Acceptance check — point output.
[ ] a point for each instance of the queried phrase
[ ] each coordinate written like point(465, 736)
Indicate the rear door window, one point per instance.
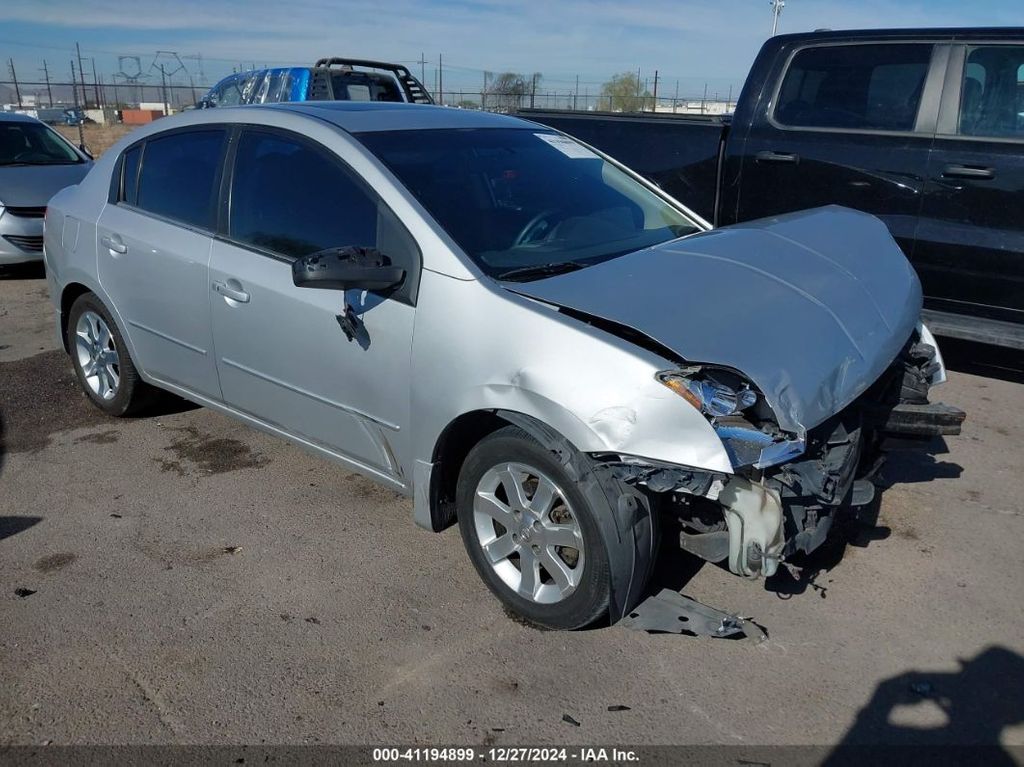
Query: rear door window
point(178, 178)
point(859, 87)
point(992, 95)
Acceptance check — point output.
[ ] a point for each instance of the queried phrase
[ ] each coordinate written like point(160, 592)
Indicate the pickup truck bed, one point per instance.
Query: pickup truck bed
point(923, 128)
point(679, 153)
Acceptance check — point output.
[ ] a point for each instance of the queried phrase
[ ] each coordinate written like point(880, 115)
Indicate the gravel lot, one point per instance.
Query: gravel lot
point(194, 581)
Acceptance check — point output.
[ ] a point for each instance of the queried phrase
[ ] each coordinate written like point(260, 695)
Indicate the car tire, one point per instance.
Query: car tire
point(517, 539)
point(104, 369)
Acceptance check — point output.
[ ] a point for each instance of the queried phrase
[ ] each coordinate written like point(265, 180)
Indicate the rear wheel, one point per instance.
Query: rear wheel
point(102, 364)
point(530, 532)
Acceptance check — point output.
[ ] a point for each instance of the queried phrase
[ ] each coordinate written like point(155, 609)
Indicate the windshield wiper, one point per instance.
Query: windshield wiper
point(525, 273)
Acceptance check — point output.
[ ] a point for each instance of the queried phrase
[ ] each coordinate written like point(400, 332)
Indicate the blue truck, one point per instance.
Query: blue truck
point(330, 79)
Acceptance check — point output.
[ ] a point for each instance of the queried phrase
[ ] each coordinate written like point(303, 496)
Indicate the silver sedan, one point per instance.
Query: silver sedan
point(524, 336)
point(36, 162)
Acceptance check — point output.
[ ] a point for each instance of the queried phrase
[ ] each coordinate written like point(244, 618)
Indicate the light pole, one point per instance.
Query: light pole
point(777, 6)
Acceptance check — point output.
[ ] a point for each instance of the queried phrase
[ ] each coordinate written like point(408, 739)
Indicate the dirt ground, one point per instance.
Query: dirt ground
point(180, 578)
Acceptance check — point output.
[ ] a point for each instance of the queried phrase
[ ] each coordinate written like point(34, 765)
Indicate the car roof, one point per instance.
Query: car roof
point(14, 117)
point(370, 116)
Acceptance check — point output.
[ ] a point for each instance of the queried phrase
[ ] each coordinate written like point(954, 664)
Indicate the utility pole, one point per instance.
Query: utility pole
point(655, 90)
point(704, 100)
point(46, 76)
point(81, 77)
point(576, 93)
point(95, 84)
point(777, 6)
point(163, 89)
point(440, 79)
point(675, 101)
point(14, 76)
point(423, 71)
point(483, 93)
point(638, 82)
point(533, 89)
point(79, 117)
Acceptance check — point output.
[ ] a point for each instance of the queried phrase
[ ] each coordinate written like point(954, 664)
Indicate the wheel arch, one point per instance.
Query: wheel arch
point(75, 289)
point(623, 513)
point(71, 293)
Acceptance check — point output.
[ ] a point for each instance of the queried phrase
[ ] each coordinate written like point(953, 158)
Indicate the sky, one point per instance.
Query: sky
point(687, 41)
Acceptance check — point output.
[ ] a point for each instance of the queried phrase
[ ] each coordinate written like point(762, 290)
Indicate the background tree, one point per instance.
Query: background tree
point(623, 93)
point(509, 91)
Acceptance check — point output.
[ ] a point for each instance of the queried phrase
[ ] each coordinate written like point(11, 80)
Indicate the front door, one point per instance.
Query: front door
point(154, 252)
point(281, 351)
point(971, 241)
point(843, 129)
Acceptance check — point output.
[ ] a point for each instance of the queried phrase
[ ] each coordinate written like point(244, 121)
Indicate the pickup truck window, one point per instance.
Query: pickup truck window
point(859, 87)
point(992, 97)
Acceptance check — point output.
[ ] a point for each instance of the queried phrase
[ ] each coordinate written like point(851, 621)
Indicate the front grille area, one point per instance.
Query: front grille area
point(29, 243)
point(22, 212)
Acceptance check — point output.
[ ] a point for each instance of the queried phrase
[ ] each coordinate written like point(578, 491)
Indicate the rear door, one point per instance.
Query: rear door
point(281, 353)
point(154, 251)
point(849, 124)
point(971, 240)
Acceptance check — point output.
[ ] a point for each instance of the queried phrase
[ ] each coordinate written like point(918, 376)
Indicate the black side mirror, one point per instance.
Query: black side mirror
point(347, 268)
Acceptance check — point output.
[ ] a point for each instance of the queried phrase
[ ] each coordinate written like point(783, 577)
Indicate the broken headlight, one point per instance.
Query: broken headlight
point(722, 396)
point(712, 398)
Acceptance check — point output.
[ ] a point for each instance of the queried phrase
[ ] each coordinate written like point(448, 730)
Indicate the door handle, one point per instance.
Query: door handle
point(770, 156)
point(234, 294)
point(968, 171)
point(114, 243)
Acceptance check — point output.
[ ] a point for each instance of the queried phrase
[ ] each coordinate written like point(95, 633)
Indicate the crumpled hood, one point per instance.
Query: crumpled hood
point(32, 186)
point(811, 306)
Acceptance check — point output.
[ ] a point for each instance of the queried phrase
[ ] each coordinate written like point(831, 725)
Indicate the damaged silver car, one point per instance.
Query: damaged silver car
point(518, 332)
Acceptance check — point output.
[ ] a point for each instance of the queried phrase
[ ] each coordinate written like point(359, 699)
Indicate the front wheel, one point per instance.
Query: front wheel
point(530, 532)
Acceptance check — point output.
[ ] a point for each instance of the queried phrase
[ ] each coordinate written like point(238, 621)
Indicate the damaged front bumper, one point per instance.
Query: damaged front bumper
point(786, 493)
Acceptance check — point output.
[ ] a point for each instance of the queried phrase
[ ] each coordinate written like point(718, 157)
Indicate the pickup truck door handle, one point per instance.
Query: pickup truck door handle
point(770, 156)
point(114, 243)
point(968, 171)
point(235, 294)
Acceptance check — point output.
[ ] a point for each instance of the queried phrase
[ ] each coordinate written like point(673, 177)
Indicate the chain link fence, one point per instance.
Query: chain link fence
point(103, 101)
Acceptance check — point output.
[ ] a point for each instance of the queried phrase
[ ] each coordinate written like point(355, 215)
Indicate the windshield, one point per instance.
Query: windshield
point(519, 201)
point(29, 143)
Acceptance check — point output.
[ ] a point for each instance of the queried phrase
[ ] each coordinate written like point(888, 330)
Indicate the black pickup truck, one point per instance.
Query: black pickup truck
point(923, 128)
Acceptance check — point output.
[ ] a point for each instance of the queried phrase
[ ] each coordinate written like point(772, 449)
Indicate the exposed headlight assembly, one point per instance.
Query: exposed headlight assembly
point(710, 397)
point(746, 445)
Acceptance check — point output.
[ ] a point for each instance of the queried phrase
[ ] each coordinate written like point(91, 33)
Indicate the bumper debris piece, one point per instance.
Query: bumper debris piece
point(670, 612)
point(919, 420)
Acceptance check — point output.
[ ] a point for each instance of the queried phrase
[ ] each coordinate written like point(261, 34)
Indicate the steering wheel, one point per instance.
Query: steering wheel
point(537, 228)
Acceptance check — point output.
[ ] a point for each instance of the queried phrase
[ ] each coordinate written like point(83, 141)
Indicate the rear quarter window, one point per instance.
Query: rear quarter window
point(855, 87)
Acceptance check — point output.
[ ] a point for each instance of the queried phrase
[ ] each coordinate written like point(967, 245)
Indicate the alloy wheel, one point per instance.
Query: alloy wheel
point(528, 532)
point(97, 355)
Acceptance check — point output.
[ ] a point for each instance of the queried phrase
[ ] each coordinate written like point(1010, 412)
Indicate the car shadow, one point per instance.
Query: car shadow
point(166, 404)
point(966, 712)
point(13, 525)
point(674, 568)
point(920, 463)
point(31, 271)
